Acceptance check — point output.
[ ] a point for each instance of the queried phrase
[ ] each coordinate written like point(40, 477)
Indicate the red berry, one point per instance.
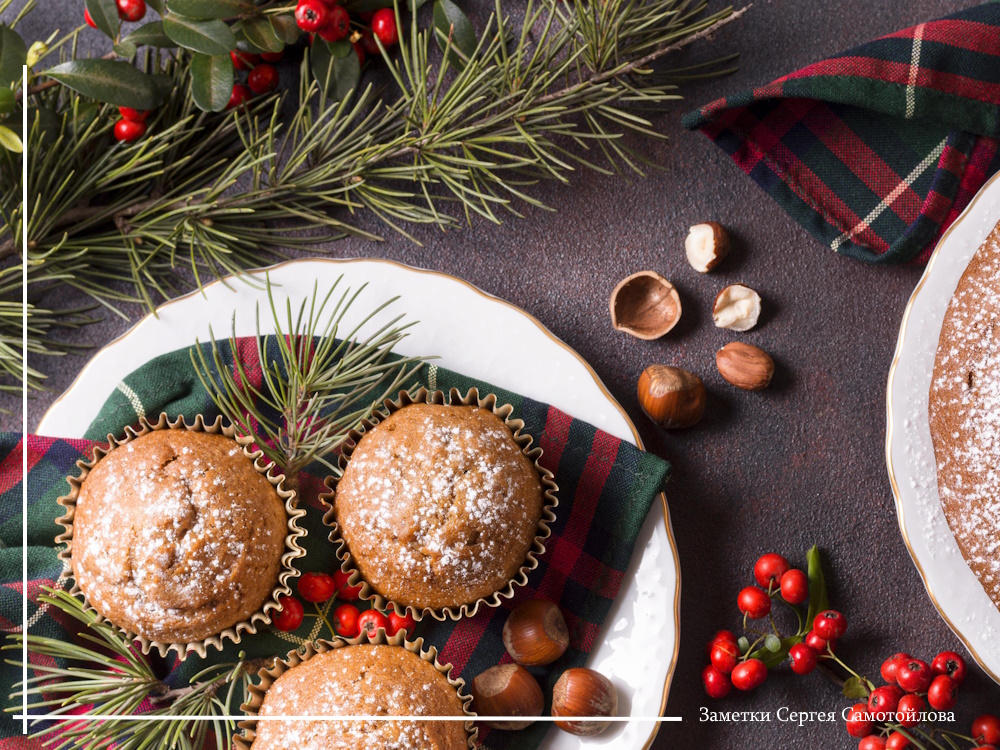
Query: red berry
point(872, 742)
point(370, 621)
point(290, 616)
point(830, 625)
point(803, 658)
point(913, 675)
point(244, 60)
point(359, 51)
point(820, 645)
point(717, 684)
point(725, 656)
point(135, 115)
point(858, 723)
point(884, 700)
point(722, 635)
point(240, 96)
point(890, 665)
point(769, 569)
point(311, 15)
point(986, 728)
point(794, 586)
point(272, 57)
point(400, 622)
point(337, 26)
point(749, 674)
point(909, 710)
point(384, 26)
point(754, 603)
point(897, 741)
point(316, 587)
point(345, 621)
point(344, 591)
point(942, 693)
point(128, 131)
point(89, 19)
point(131, 10)
point(263, 79)
point(368, 42)
point(951, 664)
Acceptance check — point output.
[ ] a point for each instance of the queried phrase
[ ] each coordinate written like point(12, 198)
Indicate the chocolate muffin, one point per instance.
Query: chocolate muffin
point(370, 680)
point(176, 536)
point(965, 414)
point(438, 505)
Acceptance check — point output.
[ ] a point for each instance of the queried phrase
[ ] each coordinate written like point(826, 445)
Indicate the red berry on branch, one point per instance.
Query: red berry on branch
point(803, 658)
point(290, 616)
point(794, 586)
point(819, 645)
point(942, 693)
point(272, 57)
point(858, 723)
point(717, 685)
point(890, 665)
point(345, 621)
point(951, 664)
point(89, 19)
point(913, 676)
point(368, 43)
point(754, 603)
point(749, 674)
point(127, 131)
point(243, 60)
point(397, 622)
point(135, 115)
point(337, 26)
point(311, 15)
point(986, 728)
point(131, 10)
point(908, 713)
point(345, 591)
point(316, 587)
point(725, 656)
point(769, 569)
point(884, 699)
point(872, 742)
point(830, 625)
point(384, 26)
point(370, 621)
point(263, 79)
point(240, 96)
point(897, 741)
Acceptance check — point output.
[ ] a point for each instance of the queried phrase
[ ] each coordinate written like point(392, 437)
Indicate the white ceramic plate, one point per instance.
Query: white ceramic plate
point(639, 645)
point(953, 587)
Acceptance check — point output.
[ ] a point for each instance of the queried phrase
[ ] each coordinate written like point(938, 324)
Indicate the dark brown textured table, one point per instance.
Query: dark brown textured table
point(801, 463)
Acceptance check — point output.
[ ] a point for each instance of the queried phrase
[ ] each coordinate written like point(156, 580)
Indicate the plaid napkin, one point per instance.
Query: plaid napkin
point(606, 488)
point(877, 150)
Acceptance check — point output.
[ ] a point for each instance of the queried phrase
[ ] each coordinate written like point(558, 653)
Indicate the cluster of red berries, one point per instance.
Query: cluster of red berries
point(347, 620)
point(331, 22)
point(128, 10)
point(262, 77)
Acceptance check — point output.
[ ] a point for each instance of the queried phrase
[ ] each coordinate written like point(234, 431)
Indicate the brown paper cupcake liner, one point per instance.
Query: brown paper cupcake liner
point(293, 550)
point(455, 398)
point(268, 675)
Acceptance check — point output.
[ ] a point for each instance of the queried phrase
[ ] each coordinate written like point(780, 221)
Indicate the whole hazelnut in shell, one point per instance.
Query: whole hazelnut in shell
point(535, 633)
point(671, 397)
point(583, 692)
point(507, 690)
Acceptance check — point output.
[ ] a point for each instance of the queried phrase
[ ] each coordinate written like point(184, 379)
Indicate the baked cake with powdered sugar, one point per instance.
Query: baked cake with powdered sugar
point(176, 536)
point(965, 414)
point(438, 505)
point(362, 680)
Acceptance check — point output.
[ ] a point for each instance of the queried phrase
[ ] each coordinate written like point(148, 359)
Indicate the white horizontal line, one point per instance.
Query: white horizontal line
point(360, 717)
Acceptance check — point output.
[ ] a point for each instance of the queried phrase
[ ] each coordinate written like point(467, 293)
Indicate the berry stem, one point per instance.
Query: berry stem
point(323, 617)
point(834, 678)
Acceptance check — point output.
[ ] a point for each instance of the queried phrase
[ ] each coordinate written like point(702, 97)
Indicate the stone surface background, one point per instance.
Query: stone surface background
point(801, 463)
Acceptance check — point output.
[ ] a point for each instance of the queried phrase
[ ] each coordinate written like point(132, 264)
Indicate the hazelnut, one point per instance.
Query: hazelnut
point(706, 245)
point(737, 307)
point(584, 692)
point(671, 397)
point(645, 305)
point(745, 366)
point(507, 690)
point(535, 633)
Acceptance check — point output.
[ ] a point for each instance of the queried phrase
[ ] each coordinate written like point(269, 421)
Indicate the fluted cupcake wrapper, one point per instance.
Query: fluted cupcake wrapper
point(267, 676)
point(524, 441)
point(293, 549)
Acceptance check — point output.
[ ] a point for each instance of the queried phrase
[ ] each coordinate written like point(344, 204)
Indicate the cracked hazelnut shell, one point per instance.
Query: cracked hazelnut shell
point(706, 245)
point(645, 305)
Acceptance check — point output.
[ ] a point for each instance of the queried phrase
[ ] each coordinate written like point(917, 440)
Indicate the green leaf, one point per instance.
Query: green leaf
point(818, 599)
point(772, 643)
point(259, 33)
point(451, 22)
point(157, 5)
point(150, 35)
point(743, 644)
point(7, 100)
point(10, 140)
point(207, 37)
point(285, 28)
point(13, 54)
point(336, 76)
point(105, 15)
point(112, 81)
point(855, 688)
point(211, 81)
point(209, 9)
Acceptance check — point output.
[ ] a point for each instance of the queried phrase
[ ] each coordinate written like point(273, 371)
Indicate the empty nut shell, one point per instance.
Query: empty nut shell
point(507, 690)
point(583, 692)
point(645, 305)
point(535, 633)
point(745, 366)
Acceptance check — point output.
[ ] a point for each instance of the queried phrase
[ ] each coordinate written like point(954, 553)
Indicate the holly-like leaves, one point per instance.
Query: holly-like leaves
point(112, 81)
point(10, 140)
point(211, 81)
point(13, 54)
point(819, 601)
point(105, 15)
point(450, 23)
point(207, 37)
point(335, 67)
point(260, 34)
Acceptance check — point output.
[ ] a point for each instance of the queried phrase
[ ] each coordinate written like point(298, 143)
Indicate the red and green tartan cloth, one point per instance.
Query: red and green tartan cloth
point(606, 489)
point(877, 150)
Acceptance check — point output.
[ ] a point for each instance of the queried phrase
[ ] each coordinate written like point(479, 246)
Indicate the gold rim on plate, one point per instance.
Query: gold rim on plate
point(672, 667)
point(889, 433)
